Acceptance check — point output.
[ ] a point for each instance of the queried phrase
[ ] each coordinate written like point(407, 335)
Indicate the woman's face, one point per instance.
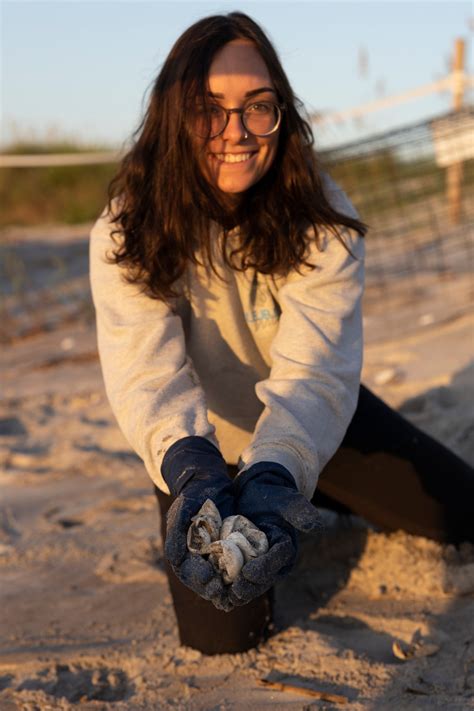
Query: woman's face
point(238, 77)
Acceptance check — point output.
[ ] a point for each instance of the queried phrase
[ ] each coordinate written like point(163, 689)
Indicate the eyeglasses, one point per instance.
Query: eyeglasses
point(261, 119)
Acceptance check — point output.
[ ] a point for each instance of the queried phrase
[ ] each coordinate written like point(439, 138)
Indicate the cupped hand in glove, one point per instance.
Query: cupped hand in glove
point(266, 493)
point(195, 470)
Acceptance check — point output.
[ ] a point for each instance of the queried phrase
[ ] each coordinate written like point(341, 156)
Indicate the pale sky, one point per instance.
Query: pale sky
point(81, 69)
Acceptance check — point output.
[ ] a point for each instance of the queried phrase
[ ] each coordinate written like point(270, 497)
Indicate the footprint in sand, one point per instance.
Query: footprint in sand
point(77, 683)
point(64, 521)
point(6, 681)
point(142, 563)
point(12, 427)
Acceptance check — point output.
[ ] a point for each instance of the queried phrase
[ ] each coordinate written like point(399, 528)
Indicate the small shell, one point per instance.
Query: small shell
point(255, 537)
point(204, 528)
point(227, 559)
point(248, 551)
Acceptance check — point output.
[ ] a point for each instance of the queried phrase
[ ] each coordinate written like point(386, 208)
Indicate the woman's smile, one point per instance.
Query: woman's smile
point(240, 159)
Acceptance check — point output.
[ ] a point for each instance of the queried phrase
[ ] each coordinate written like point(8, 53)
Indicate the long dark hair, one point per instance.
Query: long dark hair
point(161, 203)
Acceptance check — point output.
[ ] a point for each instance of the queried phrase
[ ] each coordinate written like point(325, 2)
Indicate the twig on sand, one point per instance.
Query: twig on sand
point(324, 695)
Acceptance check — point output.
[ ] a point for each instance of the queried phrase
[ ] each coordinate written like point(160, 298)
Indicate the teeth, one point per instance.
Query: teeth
point(233, 157)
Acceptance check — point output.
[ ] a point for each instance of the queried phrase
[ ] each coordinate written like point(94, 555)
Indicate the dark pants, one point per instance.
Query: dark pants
point(387, 471)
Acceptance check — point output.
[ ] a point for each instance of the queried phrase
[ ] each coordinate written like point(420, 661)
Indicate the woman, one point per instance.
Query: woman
point(227, 275)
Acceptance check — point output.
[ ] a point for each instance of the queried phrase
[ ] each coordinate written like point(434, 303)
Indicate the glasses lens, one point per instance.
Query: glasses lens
point(262, 118)
point(209, 121)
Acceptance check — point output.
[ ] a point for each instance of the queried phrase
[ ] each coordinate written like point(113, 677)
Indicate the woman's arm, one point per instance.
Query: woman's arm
point(151, 384)
point(311, 393)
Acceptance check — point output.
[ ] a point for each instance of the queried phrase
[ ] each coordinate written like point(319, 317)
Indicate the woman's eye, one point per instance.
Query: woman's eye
point(261, 108)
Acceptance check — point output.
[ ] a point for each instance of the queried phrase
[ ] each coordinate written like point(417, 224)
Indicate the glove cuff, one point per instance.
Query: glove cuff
point(271, 472)
point(188, 457)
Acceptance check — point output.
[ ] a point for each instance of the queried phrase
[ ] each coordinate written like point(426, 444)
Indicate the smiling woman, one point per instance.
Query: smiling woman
point(229, 323)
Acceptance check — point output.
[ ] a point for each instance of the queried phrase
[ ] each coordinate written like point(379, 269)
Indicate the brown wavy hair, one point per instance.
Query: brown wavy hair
point(161, 203)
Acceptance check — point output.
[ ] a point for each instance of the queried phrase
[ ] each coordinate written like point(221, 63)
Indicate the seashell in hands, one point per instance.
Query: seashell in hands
point(205, 528)
point(229, 543)
point(227, 558)
point(255, 538)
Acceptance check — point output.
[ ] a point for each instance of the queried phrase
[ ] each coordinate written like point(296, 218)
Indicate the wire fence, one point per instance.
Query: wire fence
point(414, 187)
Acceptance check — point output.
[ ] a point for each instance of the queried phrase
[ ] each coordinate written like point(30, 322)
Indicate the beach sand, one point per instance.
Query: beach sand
point(85, 612)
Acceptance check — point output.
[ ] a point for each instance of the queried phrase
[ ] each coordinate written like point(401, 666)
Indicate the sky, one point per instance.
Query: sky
point(82, 69)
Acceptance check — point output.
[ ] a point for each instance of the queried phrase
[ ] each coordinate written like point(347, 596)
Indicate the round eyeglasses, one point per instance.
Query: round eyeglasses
point(261, 119)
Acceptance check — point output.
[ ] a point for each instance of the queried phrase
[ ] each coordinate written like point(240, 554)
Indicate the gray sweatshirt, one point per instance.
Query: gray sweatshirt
point(266, 369)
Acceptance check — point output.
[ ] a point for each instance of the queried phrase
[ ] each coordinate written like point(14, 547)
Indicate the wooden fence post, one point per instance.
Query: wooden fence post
point(454, 171)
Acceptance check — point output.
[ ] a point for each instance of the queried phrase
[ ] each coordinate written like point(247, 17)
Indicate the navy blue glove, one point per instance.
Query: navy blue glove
point(267, 495)
point(195, 470)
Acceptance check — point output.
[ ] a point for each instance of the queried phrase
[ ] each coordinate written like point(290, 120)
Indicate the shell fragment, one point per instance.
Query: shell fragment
point(255, 537)
point(205, 528)
point(227, 559)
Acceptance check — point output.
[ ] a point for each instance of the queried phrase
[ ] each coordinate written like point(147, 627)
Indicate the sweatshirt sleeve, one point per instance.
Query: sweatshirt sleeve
point(150, 381)
point(312, 390)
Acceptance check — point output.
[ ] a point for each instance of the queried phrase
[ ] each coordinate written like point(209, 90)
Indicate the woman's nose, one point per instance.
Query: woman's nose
point(234, 131)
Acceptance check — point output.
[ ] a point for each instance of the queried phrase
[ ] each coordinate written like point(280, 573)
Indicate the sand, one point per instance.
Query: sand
point(86, 615)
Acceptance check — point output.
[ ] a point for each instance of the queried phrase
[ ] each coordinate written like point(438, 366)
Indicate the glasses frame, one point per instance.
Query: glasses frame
point(279, 107)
